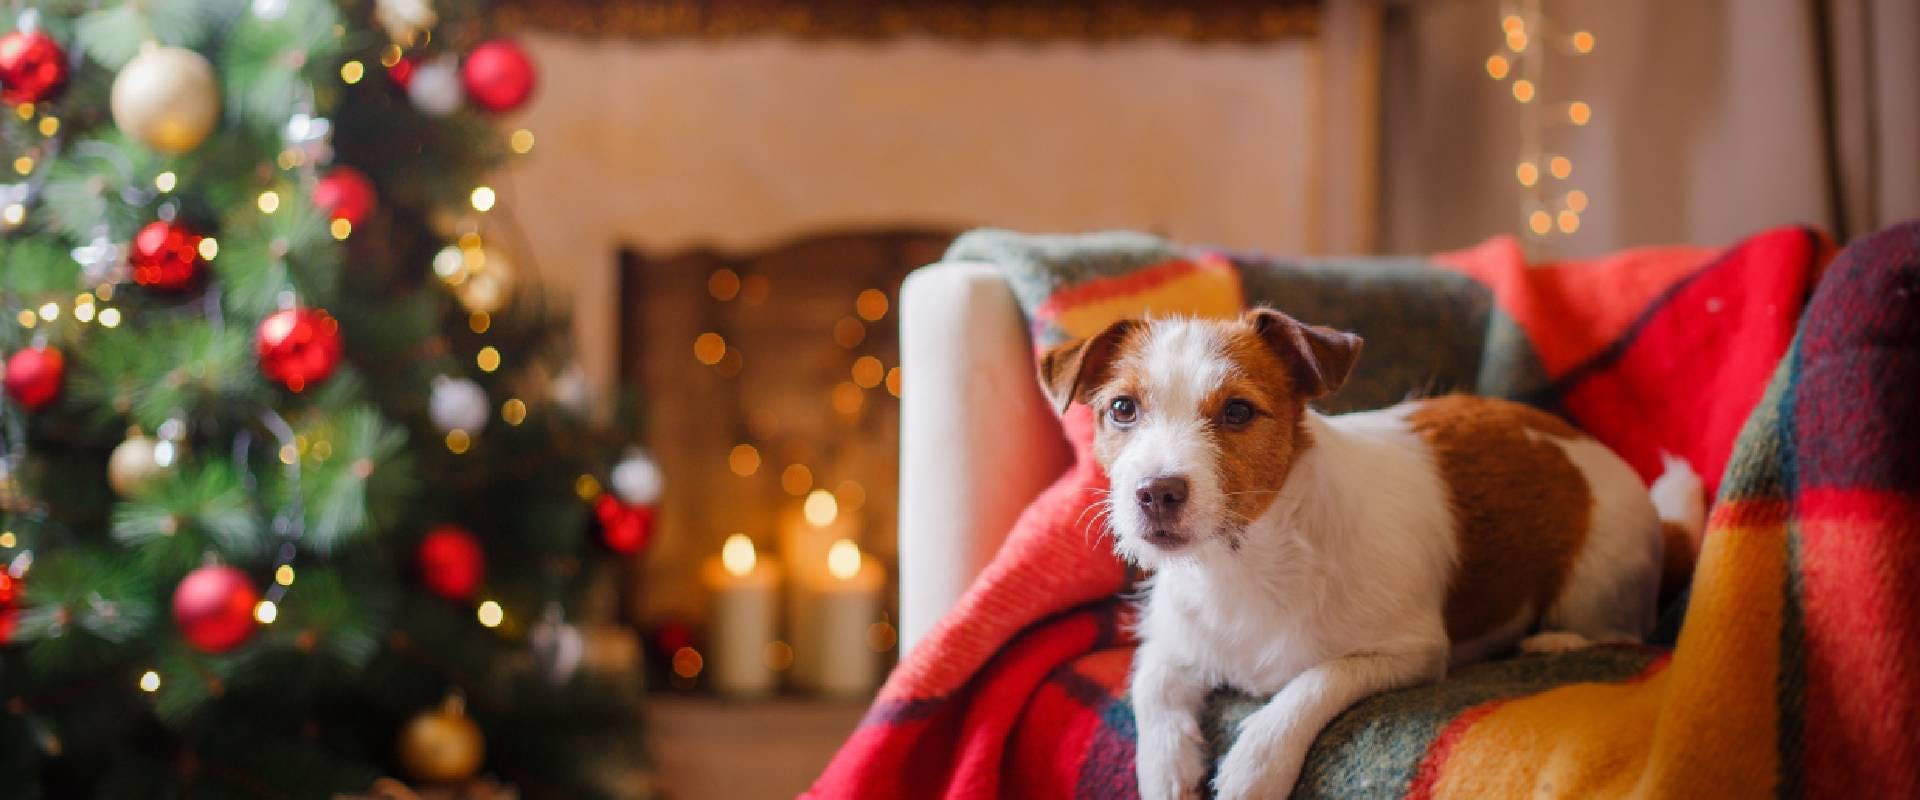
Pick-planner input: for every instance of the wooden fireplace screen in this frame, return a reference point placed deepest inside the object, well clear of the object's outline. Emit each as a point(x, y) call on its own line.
point(979, 20)
point(765, 376)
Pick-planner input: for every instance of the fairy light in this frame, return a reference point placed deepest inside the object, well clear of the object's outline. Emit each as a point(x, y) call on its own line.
point(843, 559)
point(209, 248)
point(521, 141)
point(150, 682)
point(458, 441)
point(1521, 64)
point(49, 126)
point(488, 359)
point(23, 164)
point(737, 555)
point(490, 614)
point(514, 411)
point(743, 460)
point(482, 198)
point(341, 229)
point(14, 214)
point(266, 612)
point(283, 575)
point(269, 201)
point(8, 540)
point(110, 318)
point(26, 318)
point(821, 509)
point(50, 312)
point(352, 71)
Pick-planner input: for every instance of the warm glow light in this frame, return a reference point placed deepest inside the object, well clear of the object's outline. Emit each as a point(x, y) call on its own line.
point(743, 459)
point(83, 312)
point(843, 559)
point(586, 486)
point(821, 508)
point(23, 164)
point(488, 359)
point(209, 248)
point(521, 141)
point(1582, 41)
point(1579, 113)
point(893, 381)
point(687, 662)
point(266, 612)
point(1523, 90)
point(1512, 23)
point(1498, 66)
point(165, 181)
point(850, 494)
point(269, 201)
point(723, 284)
point(479, 321)
point(458, 441)
point(1569, 222)
point(1560, 166)
point(1540, 222)
point(150, 682)
point(881, 637)
point(849, 333)
point(27, 318)
point(709, 347)
point(514, 411)
point(1517, 41)
point(50, 311)
point(110, 317)
point(283, 575)
point(737, 555)
point(14, 214)
point(1527, 173)
point(482, 198)
point(796, 479)
point(868, 372)
point(352, 71)
point(7, 539)
point(847, 398)
point(341, 229)
point(49, 126)
point(491, 614)
point(871, 305)
point(1577, 200)
point(391, 55)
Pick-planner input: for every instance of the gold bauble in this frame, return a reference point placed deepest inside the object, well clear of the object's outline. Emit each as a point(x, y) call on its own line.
point(482, 278)
point(167, 99)
point(138, 461)
point(442, 745)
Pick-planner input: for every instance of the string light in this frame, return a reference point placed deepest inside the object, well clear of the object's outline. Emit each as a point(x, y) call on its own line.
point(709, 347)
point(8, 540)
point(521, 141)
point(587, 487)
point(514, 411)
point(871, 305)
point(23, 164)
point(1560, 166)
point(50, 311)
point(482, 198)
point(743, 460)
point(893, 381)
point(821, 509)
point(796, 479)
point(723, 284)
point(1540, 222)
point(843, 559)
point(14, 214)
point(352, 71)
point(458, 441)
point(341, 229)
point(269, 201)
point(49, 126)
point(110, 317)
point(490, 614)
point(1526, 65)
point(1582, 42)
point(27, 318)
point(150, 682)
point(1523, 90)
point(737, 555)
point(1498, 66)
point(1569, 221)
point(687, 662)
point(479, 321)
point(1527, 173)
point(1577, 200)
point(209, 248)
point(868, 372)
point(283, 575)
point(1579, 113)
point(266, 612)
point(488, 358)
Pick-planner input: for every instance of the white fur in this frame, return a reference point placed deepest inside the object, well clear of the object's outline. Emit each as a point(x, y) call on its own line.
point(1336, 592)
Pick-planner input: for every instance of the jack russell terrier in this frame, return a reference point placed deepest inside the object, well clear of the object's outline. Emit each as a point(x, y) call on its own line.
point(1321, 559)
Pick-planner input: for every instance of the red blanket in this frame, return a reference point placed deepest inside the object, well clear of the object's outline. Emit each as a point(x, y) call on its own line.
point(1020, 690)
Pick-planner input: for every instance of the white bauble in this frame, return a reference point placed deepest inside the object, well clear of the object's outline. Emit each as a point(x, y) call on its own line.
point(435, 86)
point(570, 389)
point(167, 99)
point(404, 18)
point(558, 648)
point(457, 404)
point(637, 479)
point(137, 461)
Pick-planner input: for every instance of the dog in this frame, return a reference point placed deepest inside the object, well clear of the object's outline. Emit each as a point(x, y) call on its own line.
point(1320, 559)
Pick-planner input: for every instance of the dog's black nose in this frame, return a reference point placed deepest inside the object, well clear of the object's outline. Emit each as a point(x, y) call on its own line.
point(1162, 497)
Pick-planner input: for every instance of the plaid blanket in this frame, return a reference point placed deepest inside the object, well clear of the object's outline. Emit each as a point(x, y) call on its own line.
point(1797, 670)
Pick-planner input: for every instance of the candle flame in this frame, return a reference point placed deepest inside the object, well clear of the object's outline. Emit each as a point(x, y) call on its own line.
point(843, 559)
point(821, 508)
point(737, 555)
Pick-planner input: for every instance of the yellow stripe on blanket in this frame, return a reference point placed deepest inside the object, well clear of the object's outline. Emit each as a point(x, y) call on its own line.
point(1206, 287)
point(1705, 726)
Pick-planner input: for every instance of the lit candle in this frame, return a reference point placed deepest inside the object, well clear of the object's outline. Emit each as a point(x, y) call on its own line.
point(830, 622)
point(742, 623)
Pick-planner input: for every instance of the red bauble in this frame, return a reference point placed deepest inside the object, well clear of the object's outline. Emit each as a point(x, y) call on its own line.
point(345, 193)
point(298, 347)
point(498, 76)
point(32, 68)
point(624, 529)
point(34, 375)
point(213, 606)
point(165, 256)
point(9, 589)
point(451, 562)
point(9, 620)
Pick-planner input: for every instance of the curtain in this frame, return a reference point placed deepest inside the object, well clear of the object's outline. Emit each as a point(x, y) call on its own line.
point(1710, 119)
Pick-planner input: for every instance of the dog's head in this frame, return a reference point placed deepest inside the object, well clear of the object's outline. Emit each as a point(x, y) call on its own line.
point(1198, 422)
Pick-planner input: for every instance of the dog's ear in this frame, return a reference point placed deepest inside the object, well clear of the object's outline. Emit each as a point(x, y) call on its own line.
point(1318, 358)
point(1070, 370)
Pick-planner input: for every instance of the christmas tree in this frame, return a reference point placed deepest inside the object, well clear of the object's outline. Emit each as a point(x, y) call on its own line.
point(297, 487)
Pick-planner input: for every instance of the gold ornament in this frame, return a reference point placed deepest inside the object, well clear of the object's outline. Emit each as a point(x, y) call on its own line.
point(404, 19)
point(481, 277)
point(442, 745)
point(166, 98)
point(138, 461)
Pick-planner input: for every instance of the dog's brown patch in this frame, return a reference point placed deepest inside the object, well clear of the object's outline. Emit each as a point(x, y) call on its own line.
point(1520, 507)
point(1255, 459)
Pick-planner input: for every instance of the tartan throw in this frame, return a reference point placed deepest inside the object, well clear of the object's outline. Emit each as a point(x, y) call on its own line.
point(1796, 671)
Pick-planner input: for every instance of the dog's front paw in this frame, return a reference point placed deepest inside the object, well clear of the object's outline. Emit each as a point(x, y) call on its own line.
point(1170, 761)
point(1248, 772)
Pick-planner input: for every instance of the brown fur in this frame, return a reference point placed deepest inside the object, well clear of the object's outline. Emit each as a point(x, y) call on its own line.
point(1521, 507)
point(1255, 460)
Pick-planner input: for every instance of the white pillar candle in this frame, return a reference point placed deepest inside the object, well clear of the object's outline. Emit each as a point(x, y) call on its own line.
point(745, 589)
point(835, 607)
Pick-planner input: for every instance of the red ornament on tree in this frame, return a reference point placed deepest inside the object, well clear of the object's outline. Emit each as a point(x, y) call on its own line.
point(498, 76)
point(401, 73)
point(9, 589)
point(345, 193)
point(298, 347)
point(624, 528)
point(34, 375)
point(451, 562)
point(165, 256)
point(9, 620)
point(32, 67)
point(214, 606)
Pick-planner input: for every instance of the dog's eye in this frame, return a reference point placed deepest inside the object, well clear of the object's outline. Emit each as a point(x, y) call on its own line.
point(1236, 413)
point(1123, 410)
